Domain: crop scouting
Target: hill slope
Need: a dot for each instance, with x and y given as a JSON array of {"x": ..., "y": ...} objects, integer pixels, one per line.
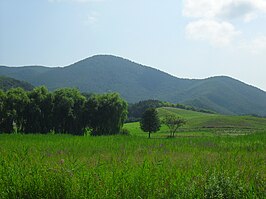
[
  {"x": 199, "y": 124},
  {"x": 136, "y": 82},
  {"x": 7, "y": 83},
  {"x": 204, "y": 121}
]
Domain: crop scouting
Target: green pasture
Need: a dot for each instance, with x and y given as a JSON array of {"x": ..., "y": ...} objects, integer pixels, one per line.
[
  {"x": 195, "y": 164},
  {"x": 201, "y": 121},
  {"x": 204, "y": 124}
]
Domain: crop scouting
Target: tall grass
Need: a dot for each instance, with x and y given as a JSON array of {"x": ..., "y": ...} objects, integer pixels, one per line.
[{"x": 62, "y": 166}]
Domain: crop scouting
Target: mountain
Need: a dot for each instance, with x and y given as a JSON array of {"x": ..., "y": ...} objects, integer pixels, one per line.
[
  {"x": 135, "y": 82},
  {"x": 7, "y": 83}
]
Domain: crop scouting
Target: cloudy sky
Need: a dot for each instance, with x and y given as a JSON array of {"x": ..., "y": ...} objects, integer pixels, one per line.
[{"x": 188, "y": 39}]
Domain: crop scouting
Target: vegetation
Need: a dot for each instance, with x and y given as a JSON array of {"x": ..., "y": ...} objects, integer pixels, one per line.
[
  {"x": 173, "y": 122},
  {"x": 7, "y": 83},
  {"x": 106, "y": 114},
  {"x": 213, "y": 156},
  {"x": 197, "y": 121},
  {"x": 62, "y": 111},
  {"x": 135, "y": 111},
  {"x": 40, "y": 110},
  {"x": 150, "y": 121},
  {"x": 101, "y": 74},
  {"x": 65, "y": 166},
  {"x": 198, "y": 163}
]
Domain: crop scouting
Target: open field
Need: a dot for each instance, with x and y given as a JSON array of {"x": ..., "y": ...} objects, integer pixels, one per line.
[
  {"x": 62, "y": 166},
  {"x": 213, "y": 156}
]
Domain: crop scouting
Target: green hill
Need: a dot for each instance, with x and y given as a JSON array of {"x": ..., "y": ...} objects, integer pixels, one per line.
[
  {"x": 204, "y": 124},
  {"x": 206, "y": 121},
  {"x": 7, "y": 83},
  {"x": 135, "y": 82}
]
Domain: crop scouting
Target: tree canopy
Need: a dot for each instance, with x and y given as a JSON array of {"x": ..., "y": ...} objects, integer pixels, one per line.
[
  {"x": 150, "y": 121},
  {"x": 173, "y": 122},
  {"x": 106, "y": 113},
  {"x": 62, "y": 111}
]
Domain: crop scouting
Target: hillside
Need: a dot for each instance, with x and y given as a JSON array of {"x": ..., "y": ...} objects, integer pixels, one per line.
[
  {"x": 7, "y": 83},
  {"x": 205, "y": 121},
  {"x": 204, "y": 124},
  {"x": 135, "y": 82}
]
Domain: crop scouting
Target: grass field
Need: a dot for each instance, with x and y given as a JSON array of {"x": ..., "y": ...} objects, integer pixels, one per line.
[{"x": 195, "y": 164}]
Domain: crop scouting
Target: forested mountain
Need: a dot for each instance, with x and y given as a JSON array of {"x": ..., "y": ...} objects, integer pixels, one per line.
[
  {"x": 7, "y": 83},
  {"x": 135, "y": 82}
]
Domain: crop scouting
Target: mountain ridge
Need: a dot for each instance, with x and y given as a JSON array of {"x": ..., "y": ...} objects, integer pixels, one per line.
[{"x": 135, "y": 82}]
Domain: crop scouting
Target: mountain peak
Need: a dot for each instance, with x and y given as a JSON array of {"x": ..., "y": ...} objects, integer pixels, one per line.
[{"x": 102, "y": 57}]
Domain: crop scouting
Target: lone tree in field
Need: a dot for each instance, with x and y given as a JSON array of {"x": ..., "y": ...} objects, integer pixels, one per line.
[
  {"x": 173, "y": 122},
  {"x": 150, "y": 121}
]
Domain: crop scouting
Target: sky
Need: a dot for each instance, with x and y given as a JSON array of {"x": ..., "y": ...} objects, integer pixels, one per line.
[{"x": 185, "y": 38}]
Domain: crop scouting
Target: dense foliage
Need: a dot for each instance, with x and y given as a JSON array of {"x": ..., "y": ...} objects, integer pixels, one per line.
[
  {"x": 106, "y": 113},
  {"x": 135, "y": 111},
  {"x": 62, "y": 111},
  {"x": 150, "y": 121},
  {"x": 7, "y": 83}
]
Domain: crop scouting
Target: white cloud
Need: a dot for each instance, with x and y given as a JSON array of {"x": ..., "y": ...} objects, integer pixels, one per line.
[
  {"x": 201, "y": 8},
  {"x": 217, "y": 33},
  {"x": 224, "y": 9},
  {"x": 213, "y": 20}
]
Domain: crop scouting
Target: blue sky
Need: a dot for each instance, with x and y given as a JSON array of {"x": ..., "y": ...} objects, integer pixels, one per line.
[{"x": 188, "y": 39}]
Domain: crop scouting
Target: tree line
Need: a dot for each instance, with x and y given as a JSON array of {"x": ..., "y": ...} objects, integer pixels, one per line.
[
  {"x": 65, "y": 111},
  {"x": 136, "y": 111}
]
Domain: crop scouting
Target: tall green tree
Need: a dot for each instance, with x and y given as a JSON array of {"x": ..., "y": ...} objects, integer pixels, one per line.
[
  {"x": 150, "y": 121},
  {"x": 39, "y": 111},
  {"x": 106, "y": 113},
  {"x": 15, "y": 108},
  {"x": 2, "y": 106},
  {"x": 68, "y": 111},
  {"x": 173, "y": 122}
]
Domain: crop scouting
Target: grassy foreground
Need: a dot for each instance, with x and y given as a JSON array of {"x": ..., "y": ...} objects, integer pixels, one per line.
[{"x": 62, "y": 166}]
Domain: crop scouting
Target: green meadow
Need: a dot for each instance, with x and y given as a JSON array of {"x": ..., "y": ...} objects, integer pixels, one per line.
[{"x": 212, "y": 156}]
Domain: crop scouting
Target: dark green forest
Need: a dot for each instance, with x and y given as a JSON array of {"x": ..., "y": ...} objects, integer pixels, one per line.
[{"x": 64, "y": 111}]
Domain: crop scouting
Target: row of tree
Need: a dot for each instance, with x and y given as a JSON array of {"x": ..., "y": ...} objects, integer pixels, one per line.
[
  {"x": 62, "y": 111},
  {"x": 135, "y": 111}
]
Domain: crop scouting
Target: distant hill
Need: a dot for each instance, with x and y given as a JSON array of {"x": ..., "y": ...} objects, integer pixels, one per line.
[
  {"x": 135, "y": 82},
  {"x": 7, "y": 83}
]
